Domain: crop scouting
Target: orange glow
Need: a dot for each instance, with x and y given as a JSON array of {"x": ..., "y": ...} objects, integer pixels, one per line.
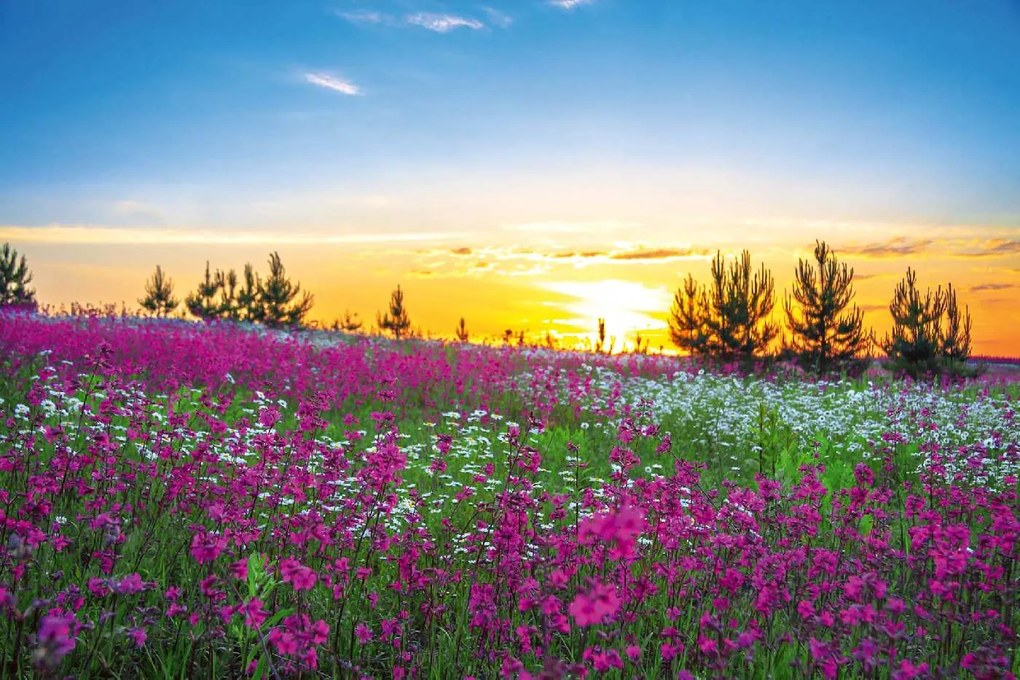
[{"x": 559, "y": 285}]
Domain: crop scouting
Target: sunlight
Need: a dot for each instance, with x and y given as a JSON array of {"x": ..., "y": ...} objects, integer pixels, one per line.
[{"x": 627, "y": 307}]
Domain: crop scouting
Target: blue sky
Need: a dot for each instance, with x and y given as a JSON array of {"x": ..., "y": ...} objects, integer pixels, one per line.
[{"x": 646, "y": 123}]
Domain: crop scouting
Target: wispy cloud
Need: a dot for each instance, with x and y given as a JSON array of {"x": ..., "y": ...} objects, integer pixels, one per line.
[
  {"x": 570, "y": 4},
  {"x": 991, "y": 286},
  {"x": 332, "y": 82},
  {"x": 895, "y": 247},
  {"x": 365, "y": 17},
  {"x": 497, "y": 18},
  {"x": 661, "y": 254},
  {"x": 1002, "y": 247},
  {"x": 86, "y": 234},
  {"x": 443, "y": 23}
]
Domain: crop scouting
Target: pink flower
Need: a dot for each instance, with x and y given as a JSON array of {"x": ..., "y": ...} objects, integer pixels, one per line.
[
  {"x": 363, "y": 633},
  {"x": 139, "y": 636},
  {"x": 129, "y": 585},
  {"x": 594, "y": 606},
  {"x": 206, "y": 547},
  {"x": 620, "y": 529},
  {"x": 254, "y": 614},
  {"x": 295, "y": 573},
  {"x": 55, "y": 639}
]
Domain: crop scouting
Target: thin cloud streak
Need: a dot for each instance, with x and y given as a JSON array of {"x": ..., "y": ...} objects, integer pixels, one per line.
[
  {"x": 85, "y": 235},
  {"x": 332, "y": 82},
  {"x": 897, "y": 247},
  {"x": 570, "y": 4},
  {"x": 443, "y": 23},
  {"x": 365, "y": 17},
  {"x": 991, "y": 286}
]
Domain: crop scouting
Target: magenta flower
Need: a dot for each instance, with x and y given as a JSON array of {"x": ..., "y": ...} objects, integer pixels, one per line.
[
  {"x": 594, "y": 606},
  {"x": 55, "y": 639},
  {"x": 298, "y": 575}
]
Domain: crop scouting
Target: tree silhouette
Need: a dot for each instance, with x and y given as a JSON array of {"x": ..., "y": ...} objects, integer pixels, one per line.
[
  {"x": 349, "y": 323},
  {"x": 955, "y": 337},
  {"x": 14, "y": 279},
  {"x": 279, "y": 304},
  {"x": 396, "y": 320},
  {"x": 462, "y": 331},
  {"x": 229, "y": 307},
  {"x": 729, "y": 318},
  {"x": 826, "y": 332},
  {"x": 203, "y": 302},
  {"x": 248, "y": 302},
  {"x": 929, "y": 332},
  {"x": 159, "y": 294}
]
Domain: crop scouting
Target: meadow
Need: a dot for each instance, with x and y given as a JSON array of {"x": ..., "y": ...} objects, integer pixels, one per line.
[{"x": 209, "y": 500}]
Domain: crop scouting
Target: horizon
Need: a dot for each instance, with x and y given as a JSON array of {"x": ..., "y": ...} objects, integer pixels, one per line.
[{"x": 528, "y": 165}]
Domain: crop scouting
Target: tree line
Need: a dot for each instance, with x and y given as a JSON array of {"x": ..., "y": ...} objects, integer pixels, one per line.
[{"x": 729, "y": 318}]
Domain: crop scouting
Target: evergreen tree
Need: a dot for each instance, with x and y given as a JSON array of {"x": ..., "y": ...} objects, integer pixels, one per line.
[
  {"x": 159, "y": 294},
  {"x": 728, "y": 319},
  {"x": 203, "y": 302},
  {"x": 350, "y": 323},
  {"x": 688, "y": 321},
  {"x": 229, "y": 307},
  {"x": 462, "y": 331},
  {"x": 248, "y": 296},
  {"x": 279, "y": 304},
  {"x": 14, "y": 279},
  {"x": 396, "y": 320},
  {"x": 826, "y": 331},
  {"x": 955, "y": 337},
  {"x": 915, "y": 342}
]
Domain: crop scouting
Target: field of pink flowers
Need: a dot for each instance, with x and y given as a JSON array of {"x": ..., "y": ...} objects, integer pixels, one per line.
[{"x": 179, "y": 500}]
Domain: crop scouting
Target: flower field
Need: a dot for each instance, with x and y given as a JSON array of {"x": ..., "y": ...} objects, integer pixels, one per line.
[{"x": 179, "y": 500}]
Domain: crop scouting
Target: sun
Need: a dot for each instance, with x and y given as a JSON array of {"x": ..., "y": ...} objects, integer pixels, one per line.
[{"x": 628, "y": 307}]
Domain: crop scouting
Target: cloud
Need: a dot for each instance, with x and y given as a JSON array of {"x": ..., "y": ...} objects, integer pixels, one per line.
[
  {"x": 332, "y": 82},
  {"x": 365, "y": 17},
  {"x": 497, "y": 18},
  {"x": 461, "y": 251},
  {"x": 570, "y": 4},
  {"x": 661, "y": 254},
  {"x": 991, "y": 286},
  {"x": 895, "y": 247},
  {"x": 443, "y": 23},
  {"x": 1002, "y": 246},
  {"x": 104, "y": 235}
]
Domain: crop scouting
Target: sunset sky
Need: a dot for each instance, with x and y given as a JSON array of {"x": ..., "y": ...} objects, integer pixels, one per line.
[{"x": 526, "y": 164}]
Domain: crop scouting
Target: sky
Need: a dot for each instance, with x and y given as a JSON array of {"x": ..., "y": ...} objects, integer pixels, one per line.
[{"x": 528, "y": 164}]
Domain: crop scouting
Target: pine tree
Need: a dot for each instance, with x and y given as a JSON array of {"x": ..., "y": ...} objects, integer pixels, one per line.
[
  {"x": 462, "y": 331},
  {"x": 278, "y": 298},
  {"x": 916, "y": 337},
  {"x": 728, "y": 319},
  {"x": 248, "y": 296},
  {"x": 203, "y": 302},
  {"x": 954, "y": 340},
  {"x": 229, "y": 307},
  {"x": 350, "y": 323},
  {"x": 159, "y": 294},
  {"x": 14, "y": 279},
  {"x": 396, "y": 320},
  {"x": 826, "y": 331},
  {"x": 688, "y": 320}
]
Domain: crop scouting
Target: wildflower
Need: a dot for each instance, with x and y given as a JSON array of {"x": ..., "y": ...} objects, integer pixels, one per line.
[
  {"x": 254, "y": 614},
  {"x": 139, "y": 636},
  {"x": 129, "y": 585},
  {"x": 594, "y": 606},
  {"x": 298, "y": 575},
  {"x": 55, "y": 640}
]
